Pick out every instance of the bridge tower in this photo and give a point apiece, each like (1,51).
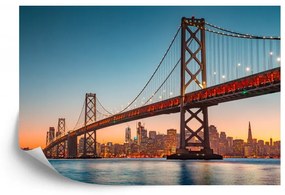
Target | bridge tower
(89,146)
(193,73)
(50,136)
(61,147)
(48,152)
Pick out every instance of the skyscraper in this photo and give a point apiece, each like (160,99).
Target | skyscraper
(140,128)
(238,147)
(249,137)
(128,135)
(223,143)
(214,138)
(170,141)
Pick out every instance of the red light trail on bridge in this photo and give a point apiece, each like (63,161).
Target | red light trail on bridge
(254,85)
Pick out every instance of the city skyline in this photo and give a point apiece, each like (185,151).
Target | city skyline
(150,144)
(68,40)
(134,133)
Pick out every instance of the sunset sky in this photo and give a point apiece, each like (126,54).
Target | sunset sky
(66,52)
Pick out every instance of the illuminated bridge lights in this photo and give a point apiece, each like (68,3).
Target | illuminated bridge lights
(242,86)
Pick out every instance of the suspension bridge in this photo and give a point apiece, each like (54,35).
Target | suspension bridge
(204,65)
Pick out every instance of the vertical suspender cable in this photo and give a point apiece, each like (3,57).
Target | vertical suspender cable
(252,69)
(264,56)
(214,60)
(228,59)
(270,54)
(223,58)
(219,60)
(257,55)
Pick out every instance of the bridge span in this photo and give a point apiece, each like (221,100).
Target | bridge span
(254,85)
(186,81)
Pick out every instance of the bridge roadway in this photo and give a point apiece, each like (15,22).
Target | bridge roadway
(254,85)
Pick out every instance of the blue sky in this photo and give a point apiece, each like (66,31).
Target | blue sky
(112,51)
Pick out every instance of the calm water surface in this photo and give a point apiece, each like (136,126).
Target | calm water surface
(171,172)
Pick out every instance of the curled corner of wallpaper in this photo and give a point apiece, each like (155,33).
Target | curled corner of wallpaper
(38,154)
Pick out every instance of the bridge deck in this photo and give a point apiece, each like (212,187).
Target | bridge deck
(254,85)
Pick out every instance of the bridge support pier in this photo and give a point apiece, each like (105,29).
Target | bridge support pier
(72,146)
(89,148)
(61,147)
(60,150)
(54,152)
(47,154)
(194,144)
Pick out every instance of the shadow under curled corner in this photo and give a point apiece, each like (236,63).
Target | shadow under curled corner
(38,162)
(32,161)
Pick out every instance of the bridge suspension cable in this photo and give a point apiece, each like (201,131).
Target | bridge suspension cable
(237,34)
(163,82)
(79,117)
(101,113)
(154,73)
(232,55)
(98,101)
(228,57)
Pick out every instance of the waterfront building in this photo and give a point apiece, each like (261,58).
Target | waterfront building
(260,148)
(214,138)
(223,144)
(170,142)
(230,146)
(238,147)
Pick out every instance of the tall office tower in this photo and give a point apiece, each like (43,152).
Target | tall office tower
(128,135)
(230,141)
(249,137)
(238,147)
(139,133)
(214,138)
(230,145)
(223,143)
(170,141)
(223,136)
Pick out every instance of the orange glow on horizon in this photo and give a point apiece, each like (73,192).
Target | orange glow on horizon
(116,134)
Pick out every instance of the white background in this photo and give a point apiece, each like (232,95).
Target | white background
(21,174)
